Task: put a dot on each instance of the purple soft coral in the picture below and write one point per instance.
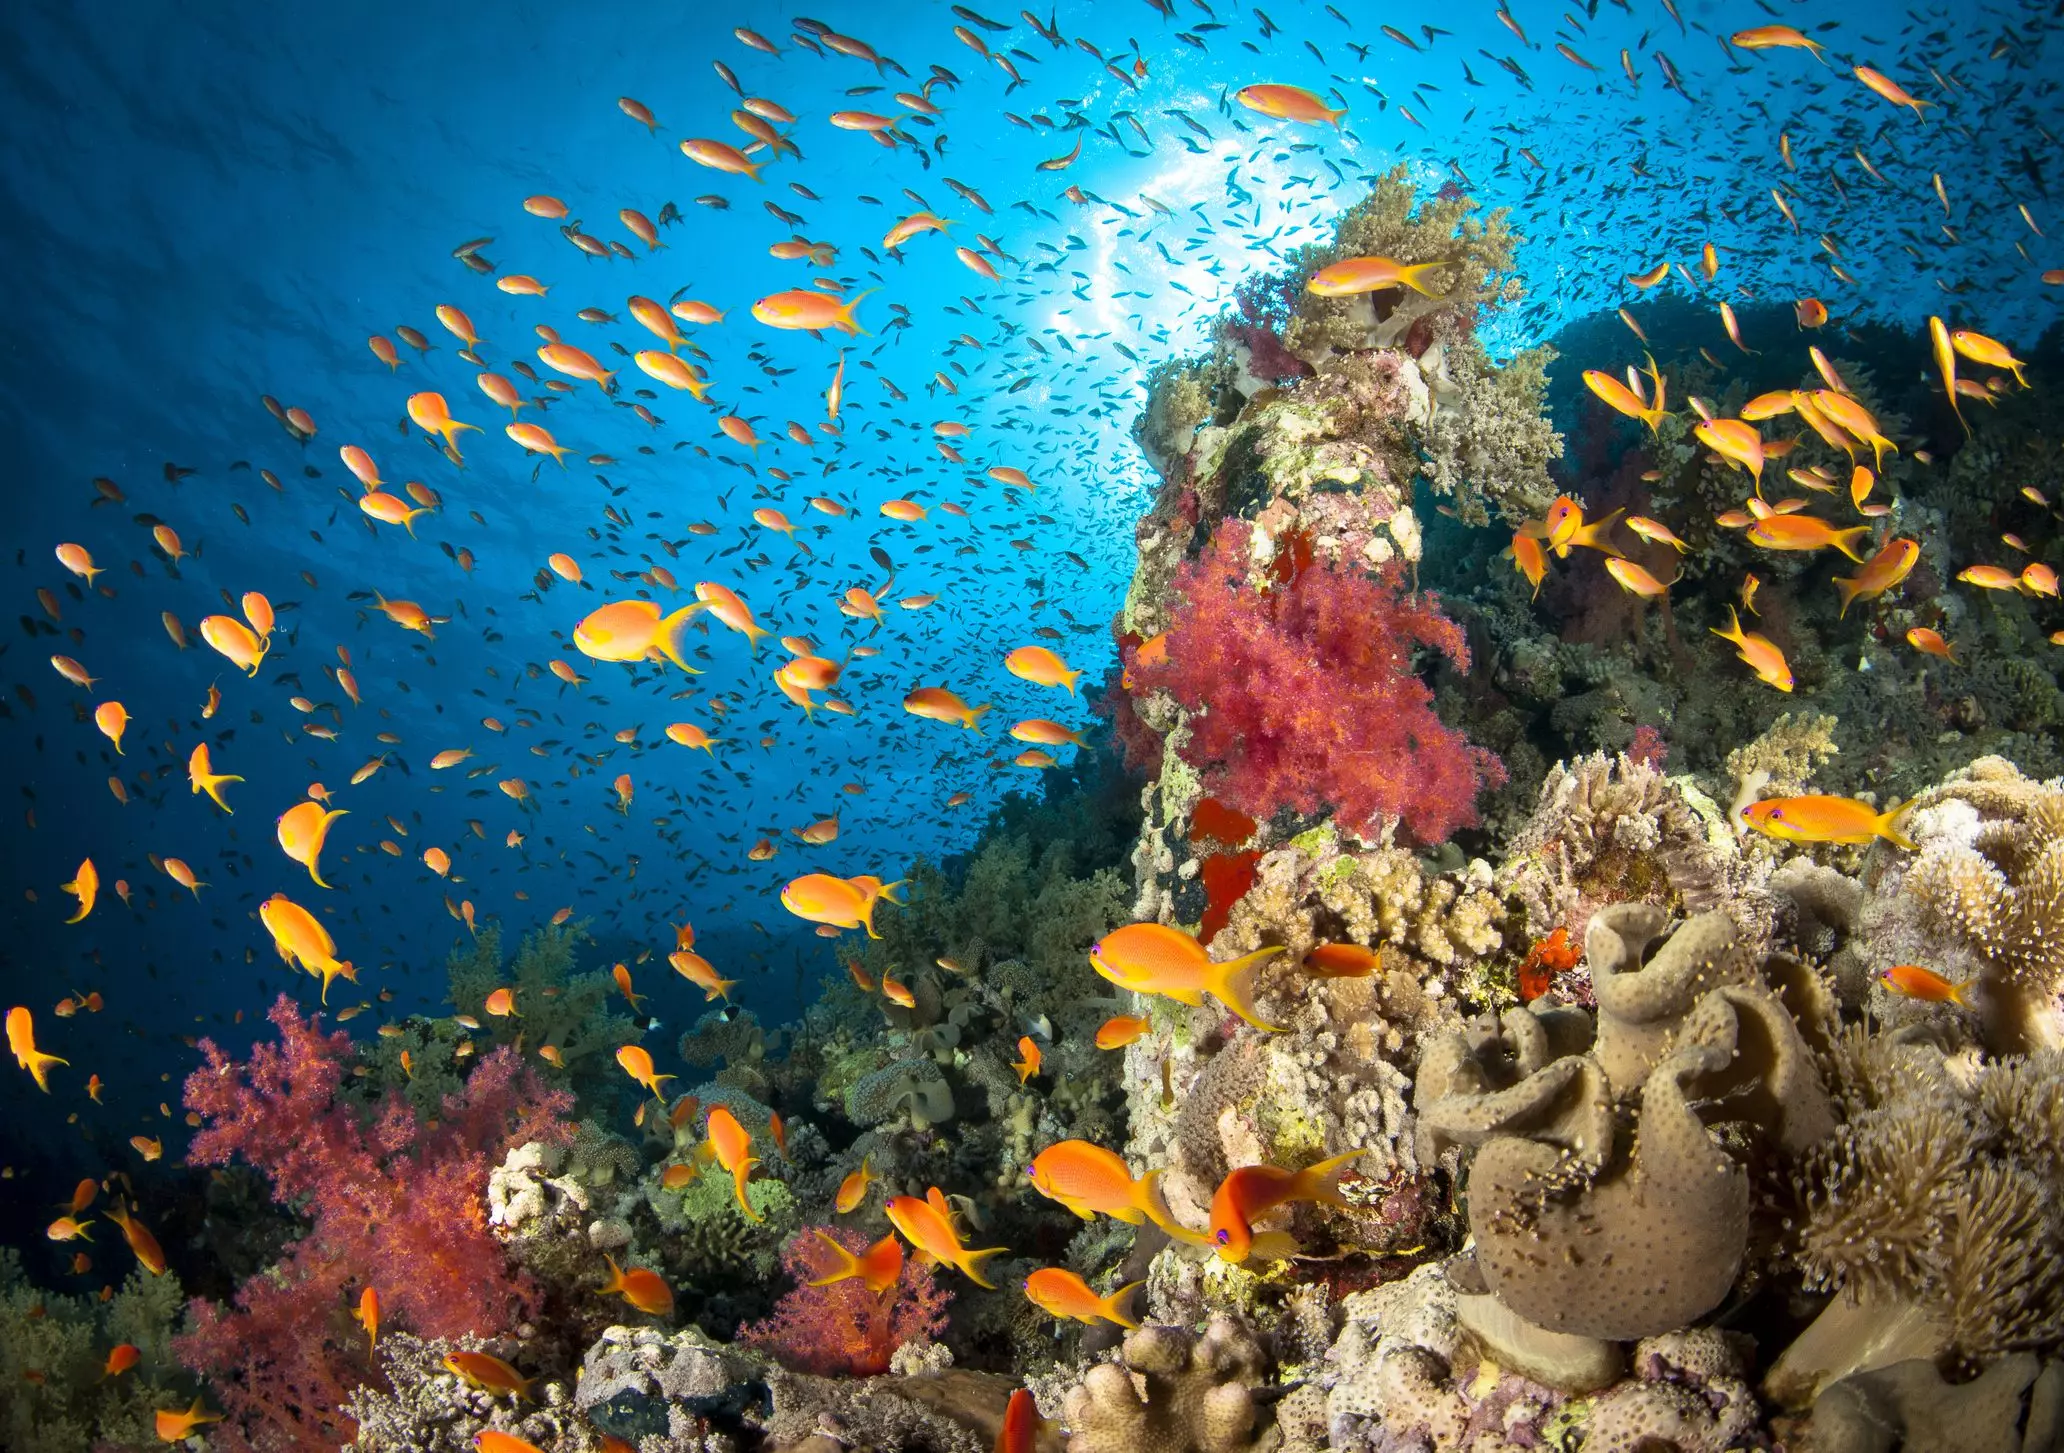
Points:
(394, 1203)
(1302, 695)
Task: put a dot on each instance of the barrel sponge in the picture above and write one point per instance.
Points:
(914, 1085)
(1199, 1394)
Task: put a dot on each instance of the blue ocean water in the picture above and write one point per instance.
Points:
(208, 205)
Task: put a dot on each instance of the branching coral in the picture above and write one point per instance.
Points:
(844, 1329)
(1302, 695)
(395, 1203)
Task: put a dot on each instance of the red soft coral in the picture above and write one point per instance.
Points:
(1302, 694)
(394, 1203)
(845, 1330)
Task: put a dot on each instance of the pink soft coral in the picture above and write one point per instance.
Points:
(1302, 694)
(845, 1330)
(395, 1204)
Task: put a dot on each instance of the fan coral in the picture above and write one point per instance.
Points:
(396, 1204)
(1301, 695)
(845, 1330)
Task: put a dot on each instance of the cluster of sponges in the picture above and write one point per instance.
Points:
(1602, 1203)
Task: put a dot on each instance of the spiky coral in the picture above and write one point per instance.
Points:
(845, 1330)
(397, 1204)
(1301, 694)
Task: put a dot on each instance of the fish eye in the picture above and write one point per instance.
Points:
(1224, 1237)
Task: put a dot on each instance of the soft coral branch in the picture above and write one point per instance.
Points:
(845, 1330)
(394, 1203)
(1302, 693)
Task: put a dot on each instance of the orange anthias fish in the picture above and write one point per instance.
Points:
(1884, 571)
(1090, 1180)
(302, 829)
(641, 1288)
(368, 1316)
(121, 1358)
(138, 1235)
(1027, 1065)
(732, 1147)
(837, 902)
(1021, 1424)
(303, 941)
(634, 630)
(1120, 1030)
(1759, 652)
(174, 1426)
(807, 310)
(853, 1189)
(494, 1440)
(1915, 982)
(926, 1225)
(1152, 958)
(1815, 819)
(85, 886)
(201, 776)
(21, 1039)
(878, 1266)
(1565, 529)
(1041, 667)
(1253, 1190)
(637, 1063)
(936, 703)
(1289, 103)
(1356, 275)
(1061, 1293)
(487, 1372)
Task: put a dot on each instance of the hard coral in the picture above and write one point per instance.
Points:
(1303, 696)
(396, 1204)
(1174, 1392)
(843, 1329)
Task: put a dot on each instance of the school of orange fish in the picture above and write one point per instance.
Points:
(651, 644)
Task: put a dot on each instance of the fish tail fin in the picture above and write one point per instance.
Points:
(668, 637)
(1069, 678)
(970, 1261)
(845, 319)
(752, 169)
(1147, 1197)
(1113, 1306)
(1846, 540)
(1887, 826)
(1848, 587)
(738, 1179)
(1232, 984)
(974, 717)
(846, 1267)
(1734, 631)
(1413, 277)
(38, 1066)
(1321, 1182)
